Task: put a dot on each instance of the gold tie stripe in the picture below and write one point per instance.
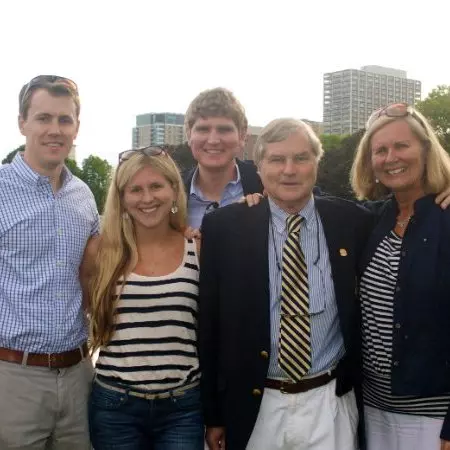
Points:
(295, 332)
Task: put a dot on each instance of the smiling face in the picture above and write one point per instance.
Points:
(288, 172)
(148, 198)
(398, 157)
(215, 142)
(50, 128)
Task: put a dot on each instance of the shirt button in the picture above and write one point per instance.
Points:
(397, 325)
(60, 232)
(404, 253)
(256, 392)
(264, 354)
(59, 295)
(397, 289)
(59, 263)
(396, 363)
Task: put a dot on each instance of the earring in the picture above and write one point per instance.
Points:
(174, 208)
(377, 180)
(126, 216)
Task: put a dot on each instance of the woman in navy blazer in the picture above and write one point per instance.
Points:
(405, 284)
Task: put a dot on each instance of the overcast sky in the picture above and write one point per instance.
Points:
(131, 57)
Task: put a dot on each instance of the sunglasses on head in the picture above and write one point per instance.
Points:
(42, 80)
(395, 110)
(147, 151)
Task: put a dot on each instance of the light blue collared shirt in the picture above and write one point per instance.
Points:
(327, 343)
(199, 205)
(42, 239)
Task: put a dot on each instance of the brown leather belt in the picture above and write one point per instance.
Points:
(304, 385)
(50, 360)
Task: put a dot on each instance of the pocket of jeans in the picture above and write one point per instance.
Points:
(105, 398)
(190, 400)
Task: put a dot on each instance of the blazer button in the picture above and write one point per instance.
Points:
(256, 392)
(264, 354)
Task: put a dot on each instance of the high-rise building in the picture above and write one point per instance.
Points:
(158, 129)
(350, 96)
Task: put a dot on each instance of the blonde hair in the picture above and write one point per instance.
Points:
(437, 161)
(217, 102)
(279, 130)
(118, 255)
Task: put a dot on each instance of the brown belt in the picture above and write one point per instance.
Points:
(301, 386)
(50, 360)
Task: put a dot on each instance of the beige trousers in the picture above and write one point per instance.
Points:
(44, 409)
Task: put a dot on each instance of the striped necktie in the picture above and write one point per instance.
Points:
(295, 333)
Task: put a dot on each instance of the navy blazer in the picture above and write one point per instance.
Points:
(250, 180)
(234, 311)
(421, 335)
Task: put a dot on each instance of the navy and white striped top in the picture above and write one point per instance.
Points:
(377, 293)
(327, 343)
(154, 346)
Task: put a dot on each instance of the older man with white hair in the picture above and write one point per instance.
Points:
(279, 319)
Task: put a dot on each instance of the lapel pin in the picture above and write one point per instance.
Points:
(343, 252)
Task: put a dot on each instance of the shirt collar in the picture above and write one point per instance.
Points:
(28, 174)
(279, 215)
(196, 190)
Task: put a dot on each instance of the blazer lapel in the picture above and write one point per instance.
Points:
(340, 248)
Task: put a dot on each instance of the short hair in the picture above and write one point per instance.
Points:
(279, 130)
(54, 85)
(217, 102)
(437, 160)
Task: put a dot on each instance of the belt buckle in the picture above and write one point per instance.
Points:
(51, 360)
(283, 386)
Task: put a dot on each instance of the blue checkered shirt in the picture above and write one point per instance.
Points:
(42, 239)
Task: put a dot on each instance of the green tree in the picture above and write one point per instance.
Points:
(436, 108)
(71, 164)
(334, 169)
(10, 155)
(183, 156)
(96, 173)
(331, 141)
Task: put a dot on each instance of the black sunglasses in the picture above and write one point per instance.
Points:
(147, 151)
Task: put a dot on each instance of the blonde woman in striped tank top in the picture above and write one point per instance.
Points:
(143, 302)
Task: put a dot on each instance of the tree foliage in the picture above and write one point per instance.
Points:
(96, 173)
(183, 156)
(334, 169)
(436, 108)
(10, 156)
(331, 141)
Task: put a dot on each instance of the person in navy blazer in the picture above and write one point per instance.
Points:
(241, 382)
(216, 128)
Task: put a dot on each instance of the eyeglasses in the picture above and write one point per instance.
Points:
(395, 110)
(147, 151)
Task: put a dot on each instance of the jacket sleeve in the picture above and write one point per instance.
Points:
(209, 323)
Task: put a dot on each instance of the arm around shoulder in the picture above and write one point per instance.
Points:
(87, 267)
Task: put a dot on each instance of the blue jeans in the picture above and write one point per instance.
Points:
(126, 422)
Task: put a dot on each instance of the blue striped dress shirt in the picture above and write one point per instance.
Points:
(199, 205)
(42, 239)
(327, 343)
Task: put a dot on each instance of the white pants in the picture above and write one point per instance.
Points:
(312, 420)
(391, 431)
